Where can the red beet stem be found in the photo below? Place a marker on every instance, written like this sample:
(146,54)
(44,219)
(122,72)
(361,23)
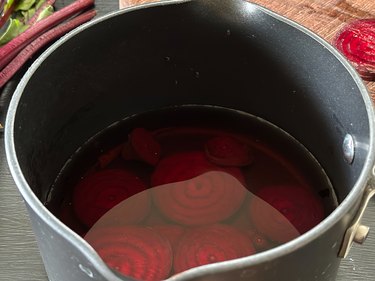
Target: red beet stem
(34,18)
(7,73)
(13,47)
(7,14)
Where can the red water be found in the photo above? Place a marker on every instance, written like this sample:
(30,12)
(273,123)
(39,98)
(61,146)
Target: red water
(171,199)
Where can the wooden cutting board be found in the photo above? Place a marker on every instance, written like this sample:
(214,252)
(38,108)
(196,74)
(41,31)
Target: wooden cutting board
(324,17)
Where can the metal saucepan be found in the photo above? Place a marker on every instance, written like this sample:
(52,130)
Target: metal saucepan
(249,59)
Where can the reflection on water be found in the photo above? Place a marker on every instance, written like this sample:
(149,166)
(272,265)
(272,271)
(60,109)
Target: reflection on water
(206,219)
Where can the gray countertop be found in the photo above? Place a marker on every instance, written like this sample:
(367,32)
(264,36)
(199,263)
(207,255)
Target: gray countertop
(19,255)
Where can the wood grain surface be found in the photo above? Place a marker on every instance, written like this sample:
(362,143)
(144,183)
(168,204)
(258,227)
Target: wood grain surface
(324,17)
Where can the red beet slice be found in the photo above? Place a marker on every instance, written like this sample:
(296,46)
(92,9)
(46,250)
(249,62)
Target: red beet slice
(211,244)
(97,193)
(132,210)
(155,218)
(187,165)
(192,191)
(228,151)
(106,158)
(172,232)
(134,251)
(283,212)
(356,41)
(260,242)
(241,221)
(142,146)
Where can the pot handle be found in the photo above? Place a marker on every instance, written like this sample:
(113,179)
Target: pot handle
(358,232)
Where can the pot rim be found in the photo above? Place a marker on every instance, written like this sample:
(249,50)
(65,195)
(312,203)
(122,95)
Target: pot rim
(36,205)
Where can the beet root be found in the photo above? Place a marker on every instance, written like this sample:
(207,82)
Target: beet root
(283,212)
(138,252)
(99,192)
(172,232)
(228,151)
(356,41)
(190,190)
(211,244)
(142,146)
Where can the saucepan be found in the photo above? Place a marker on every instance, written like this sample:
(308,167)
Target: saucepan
(248,59)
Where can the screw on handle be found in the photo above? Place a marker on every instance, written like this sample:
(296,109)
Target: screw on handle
(357,232)
(361,234)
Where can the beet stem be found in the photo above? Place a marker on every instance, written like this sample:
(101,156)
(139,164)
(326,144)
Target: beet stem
(5,16)
(13,47)
(7,73)
(34,18)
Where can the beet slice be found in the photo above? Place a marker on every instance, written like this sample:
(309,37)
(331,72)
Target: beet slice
(190,190)
(283,212)
(260,242)
(228,151)
(109,156)
(155,218)
(241,221)
(211,244)
(134,251)
(97,193)
(356,41)
(172,232)
(132,210)
(186,165)
(142,146)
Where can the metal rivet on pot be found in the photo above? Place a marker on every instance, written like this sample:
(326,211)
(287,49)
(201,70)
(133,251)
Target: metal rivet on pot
(348,148)
(86,270)
(361,234)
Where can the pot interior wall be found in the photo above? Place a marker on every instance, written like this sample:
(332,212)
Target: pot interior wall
(240,57)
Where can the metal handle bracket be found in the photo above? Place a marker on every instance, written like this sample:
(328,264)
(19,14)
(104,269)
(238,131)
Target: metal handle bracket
(358,232)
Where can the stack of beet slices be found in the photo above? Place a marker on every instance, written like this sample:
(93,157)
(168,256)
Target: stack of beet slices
(190,190)
(289,211)
(210,244)
(194,207)
(135,251)
(99,192)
